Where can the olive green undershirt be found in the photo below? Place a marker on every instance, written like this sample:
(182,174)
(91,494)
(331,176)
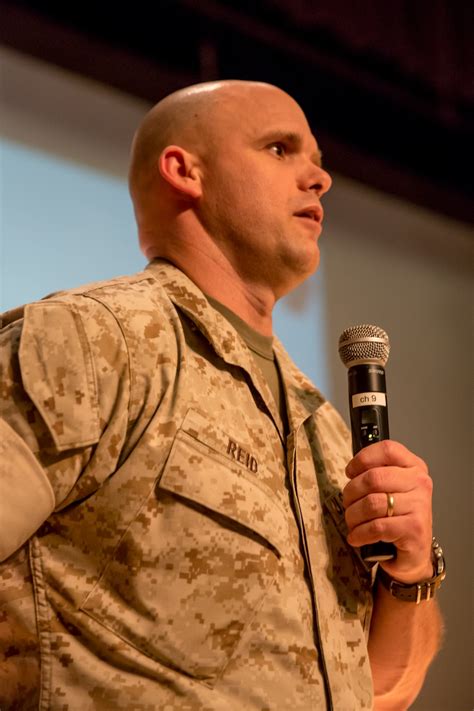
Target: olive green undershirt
(261,348)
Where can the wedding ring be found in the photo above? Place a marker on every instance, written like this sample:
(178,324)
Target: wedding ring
(390,504)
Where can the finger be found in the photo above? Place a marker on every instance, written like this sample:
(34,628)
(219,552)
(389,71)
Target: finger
(376,506)
(381,480)
(385,453)
(392,530)
(407,532)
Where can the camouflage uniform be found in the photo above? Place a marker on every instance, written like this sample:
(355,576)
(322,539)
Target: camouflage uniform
(163,546)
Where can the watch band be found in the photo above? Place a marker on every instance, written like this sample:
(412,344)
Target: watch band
(417,592)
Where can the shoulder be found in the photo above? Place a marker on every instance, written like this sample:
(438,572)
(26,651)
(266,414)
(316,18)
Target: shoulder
(120,295)
(135,304)
(77,349)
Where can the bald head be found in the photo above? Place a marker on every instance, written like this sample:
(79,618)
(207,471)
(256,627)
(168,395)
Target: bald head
(193,118)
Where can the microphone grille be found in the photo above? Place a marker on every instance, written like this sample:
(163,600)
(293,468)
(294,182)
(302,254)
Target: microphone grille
(364,344)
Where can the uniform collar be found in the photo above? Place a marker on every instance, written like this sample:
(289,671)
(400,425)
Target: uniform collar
(303,399)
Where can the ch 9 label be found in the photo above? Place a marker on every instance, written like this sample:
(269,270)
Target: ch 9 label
(364,399)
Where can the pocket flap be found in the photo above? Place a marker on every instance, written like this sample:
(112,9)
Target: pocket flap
(196,471)
(58,374)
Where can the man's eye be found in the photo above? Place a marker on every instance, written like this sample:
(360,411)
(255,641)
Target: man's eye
(278,149)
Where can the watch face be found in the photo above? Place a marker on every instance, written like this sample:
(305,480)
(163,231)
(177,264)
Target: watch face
(438,558)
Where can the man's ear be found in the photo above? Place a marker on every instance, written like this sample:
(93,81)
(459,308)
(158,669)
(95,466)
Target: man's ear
(180,169)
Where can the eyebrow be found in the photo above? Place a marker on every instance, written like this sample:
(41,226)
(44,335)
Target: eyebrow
(293,139)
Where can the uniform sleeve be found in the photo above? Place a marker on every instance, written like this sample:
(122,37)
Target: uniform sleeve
(64,394)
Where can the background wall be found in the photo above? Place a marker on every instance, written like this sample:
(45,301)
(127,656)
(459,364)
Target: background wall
(389,263)
(66,219)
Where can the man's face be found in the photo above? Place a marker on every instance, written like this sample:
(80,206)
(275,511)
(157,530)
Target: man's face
(262,187)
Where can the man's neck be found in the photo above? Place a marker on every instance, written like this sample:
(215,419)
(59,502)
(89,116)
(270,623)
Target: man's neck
(215,276)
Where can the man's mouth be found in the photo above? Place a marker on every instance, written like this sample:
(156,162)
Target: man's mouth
(313,212)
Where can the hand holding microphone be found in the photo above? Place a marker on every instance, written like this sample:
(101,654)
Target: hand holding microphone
(388,497)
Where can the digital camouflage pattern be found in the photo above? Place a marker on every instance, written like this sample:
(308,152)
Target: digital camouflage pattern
(165,548)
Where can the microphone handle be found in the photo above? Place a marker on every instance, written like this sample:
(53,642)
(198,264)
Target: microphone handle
(369,424)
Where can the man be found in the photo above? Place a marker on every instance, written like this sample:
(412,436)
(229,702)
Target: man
(174,524)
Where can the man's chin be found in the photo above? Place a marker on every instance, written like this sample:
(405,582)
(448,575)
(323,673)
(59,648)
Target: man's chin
(298,268)
(306,261)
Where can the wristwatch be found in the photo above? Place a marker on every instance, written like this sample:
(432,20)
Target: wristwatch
(416,592)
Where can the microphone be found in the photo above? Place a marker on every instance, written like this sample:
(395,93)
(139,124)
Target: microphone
(364,351)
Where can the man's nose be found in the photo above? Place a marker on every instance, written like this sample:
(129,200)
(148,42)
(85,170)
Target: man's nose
(319,180)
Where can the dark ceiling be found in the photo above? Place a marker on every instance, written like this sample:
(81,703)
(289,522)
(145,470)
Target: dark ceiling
(388,87)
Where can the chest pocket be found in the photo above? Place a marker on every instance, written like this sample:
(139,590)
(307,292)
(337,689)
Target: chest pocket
(195,565)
